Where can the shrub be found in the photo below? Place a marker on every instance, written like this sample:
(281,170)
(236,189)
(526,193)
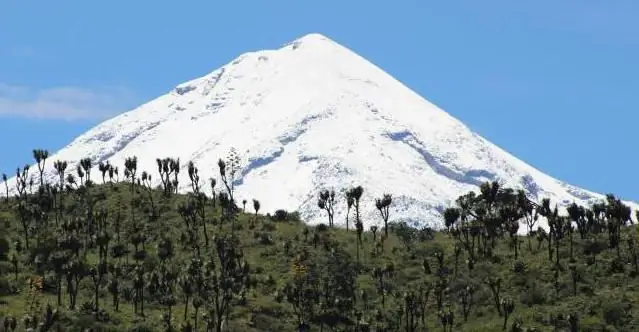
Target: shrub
(280,215)
(321,227)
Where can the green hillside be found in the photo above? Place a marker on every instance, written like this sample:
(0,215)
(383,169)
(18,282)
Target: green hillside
(101,249)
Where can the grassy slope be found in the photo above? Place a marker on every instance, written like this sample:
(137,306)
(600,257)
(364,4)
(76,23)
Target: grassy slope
(603,301)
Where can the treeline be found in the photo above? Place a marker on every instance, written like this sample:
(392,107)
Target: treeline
(103,252)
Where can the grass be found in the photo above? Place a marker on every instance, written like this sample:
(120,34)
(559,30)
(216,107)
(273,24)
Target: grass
(605,300)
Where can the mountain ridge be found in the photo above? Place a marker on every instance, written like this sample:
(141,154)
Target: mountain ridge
(314,115)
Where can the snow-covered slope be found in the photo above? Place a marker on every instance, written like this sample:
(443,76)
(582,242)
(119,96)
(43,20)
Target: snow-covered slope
(314,115)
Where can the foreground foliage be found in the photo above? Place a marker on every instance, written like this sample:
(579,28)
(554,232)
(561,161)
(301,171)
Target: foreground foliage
(118,254)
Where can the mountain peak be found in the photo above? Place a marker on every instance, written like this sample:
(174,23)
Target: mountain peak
(317,47)
(311,116)
(314,38)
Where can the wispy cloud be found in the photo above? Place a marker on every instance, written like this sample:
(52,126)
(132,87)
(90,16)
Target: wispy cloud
(64,103)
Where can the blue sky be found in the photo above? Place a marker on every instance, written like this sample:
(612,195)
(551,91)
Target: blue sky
(553,82)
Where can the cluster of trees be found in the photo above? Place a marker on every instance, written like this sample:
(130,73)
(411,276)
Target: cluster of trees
(119,254)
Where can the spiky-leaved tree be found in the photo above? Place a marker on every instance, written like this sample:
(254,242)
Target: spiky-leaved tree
(447,319)
(530,214)
(6,186)
(199,199)
(135,230)
(463,223)
(356,195)
(256,208)
(60,167)
(86,165)
(114,173)
(131,169)
(508,306)
(326,202)
(349,204)
(228,171)
(451,215)
(146,182)
(382,277)
(166,168)
(104,168)
(226,277)
(359,226)
(578,215)
(212,183)
(80,172)
(98,273)
(617,215)
(383,205)
(24,209)
(40,157)
(550,215)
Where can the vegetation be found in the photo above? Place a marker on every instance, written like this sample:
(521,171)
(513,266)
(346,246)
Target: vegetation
(93,251)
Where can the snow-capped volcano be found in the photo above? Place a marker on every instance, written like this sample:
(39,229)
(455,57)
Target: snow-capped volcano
(314,115)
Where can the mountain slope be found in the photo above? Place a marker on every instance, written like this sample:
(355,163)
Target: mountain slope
(315,115)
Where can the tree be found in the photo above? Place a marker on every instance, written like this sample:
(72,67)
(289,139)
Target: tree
(350,200)
(24,209)
(226,276)
(383,206)
(40,157)
(158,262)
(130,169)
(199,200)
(97,274)
(531,216)
(508,306)
(326,202)
(494,284)
(382,278)
(374,229)
(114,290)
(104,168)
(405,233)
(59,260)
(6,186)
(577,215)
(447,318)
(166,168)
(76,270)
(360,230)
(256,207)
(86,164)
(356,193)
(451,215)
(228,170)
(466,300)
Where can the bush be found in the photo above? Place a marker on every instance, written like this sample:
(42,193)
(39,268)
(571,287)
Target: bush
(615,313)
(4,249)
(283,215)
(294,217)
(268,227)
(7,287)
(321,227)
(519,267)
(280,215)
(142,327)
(534,294)
(265,239)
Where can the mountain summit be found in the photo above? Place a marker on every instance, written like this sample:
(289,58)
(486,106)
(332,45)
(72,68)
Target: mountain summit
(314,115)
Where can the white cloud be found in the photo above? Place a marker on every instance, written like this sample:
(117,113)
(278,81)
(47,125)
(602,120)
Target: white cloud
(66,103)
